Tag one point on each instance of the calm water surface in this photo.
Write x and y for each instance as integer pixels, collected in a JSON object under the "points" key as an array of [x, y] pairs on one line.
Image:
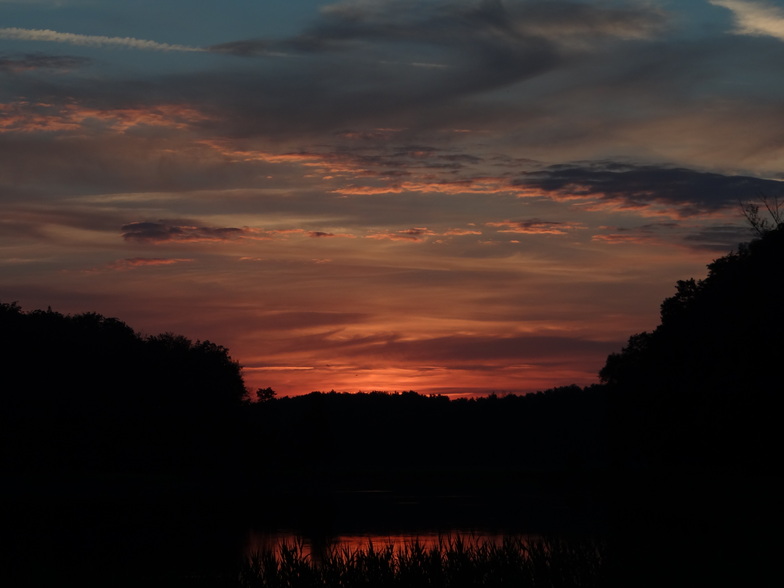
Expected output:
{"points": [[55, 545]]}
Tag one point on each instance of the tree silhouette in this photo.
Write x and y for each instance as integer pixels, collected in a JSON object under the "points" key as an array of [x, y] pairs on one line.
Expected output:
{"points": [[265, 394], [758, 223], [87, 392], [700, 390]]}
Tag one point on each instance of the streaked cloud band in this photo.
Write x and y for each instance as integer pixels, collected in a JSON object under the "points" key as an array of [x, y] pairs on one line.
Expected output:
{"points": [[48, 35]]}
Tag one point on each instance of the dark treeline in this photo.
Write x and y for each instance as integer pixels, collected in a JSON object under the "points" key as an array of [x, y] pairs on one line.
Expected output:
{"points": [[560, 429], [87, 393]]}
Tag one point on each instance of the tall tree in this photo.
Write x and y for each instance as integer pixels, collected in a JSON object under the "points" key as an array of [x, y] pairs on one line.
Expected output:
{"points": [[701, 389]]}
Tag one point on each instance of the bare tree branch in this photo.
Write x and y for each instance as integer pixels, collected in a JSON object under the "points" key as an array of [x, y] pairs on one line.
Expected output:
{"points": [[774, 206]]}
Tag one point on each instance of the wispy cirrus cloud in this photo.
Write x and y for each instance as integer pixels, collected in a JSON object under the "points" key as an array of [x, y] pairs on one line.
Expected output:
{"points": [[50, 36]]}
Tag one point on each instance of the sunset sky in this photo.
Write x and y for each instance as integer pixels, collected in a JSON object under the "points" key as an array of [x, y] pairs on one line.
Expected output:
{"points": [[454, 196]]}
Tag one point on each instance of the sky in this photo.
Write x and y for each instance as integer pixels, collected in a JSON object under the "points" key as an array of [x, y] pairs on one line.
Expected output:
{"points": [[455, 197]]}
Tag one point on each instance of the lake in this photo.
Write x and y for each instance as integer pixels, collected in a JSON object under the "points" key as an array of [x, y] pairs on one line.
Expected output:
{"points": [[142, 540]]}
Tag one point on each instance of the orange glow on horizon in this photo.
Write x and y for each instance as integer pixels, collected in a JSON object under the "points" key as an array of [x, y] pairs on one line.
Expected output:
{"points": [[445, 380]]}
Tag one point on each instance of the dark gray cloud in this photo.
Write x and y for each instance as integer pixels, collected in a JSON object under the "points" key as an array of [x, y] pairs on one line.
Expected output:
{"points": [[16, 63], [488, 23], [395, 58], [454, 350], [163, 231], [688, 192], [247, 48], [719, 238], [482, 351], [431, 65], [716, 238], [365, 64]]}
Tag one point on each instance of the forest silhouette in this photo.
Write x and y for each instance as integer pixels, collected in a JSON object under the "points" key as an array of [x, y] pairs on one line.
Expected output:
{"points": [[701, 390], [684, 423], [87, 393]]}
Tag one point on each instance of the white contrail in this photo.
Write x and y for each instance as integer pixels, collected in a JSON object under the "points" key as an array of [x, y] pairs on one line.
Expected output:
{"points": [[18, 34]]}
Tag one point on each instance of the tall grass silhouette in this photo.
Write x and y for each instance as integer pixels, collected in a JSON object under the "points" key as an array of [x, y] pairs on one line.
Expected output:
{"points": [[452, 562]]}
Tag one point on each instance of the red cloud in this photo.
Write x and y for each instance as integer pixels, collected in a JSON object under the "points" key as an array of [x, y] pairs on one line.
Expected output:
{"points": [[480, 185], [415, 234], [27, 117], [136, 262], [616, 239], [535, 227]]}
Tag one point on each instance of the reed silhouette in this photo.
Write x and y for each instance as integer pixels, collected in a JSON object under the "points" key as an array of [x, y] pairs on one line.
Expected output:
{"points": [[453, 562]]}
